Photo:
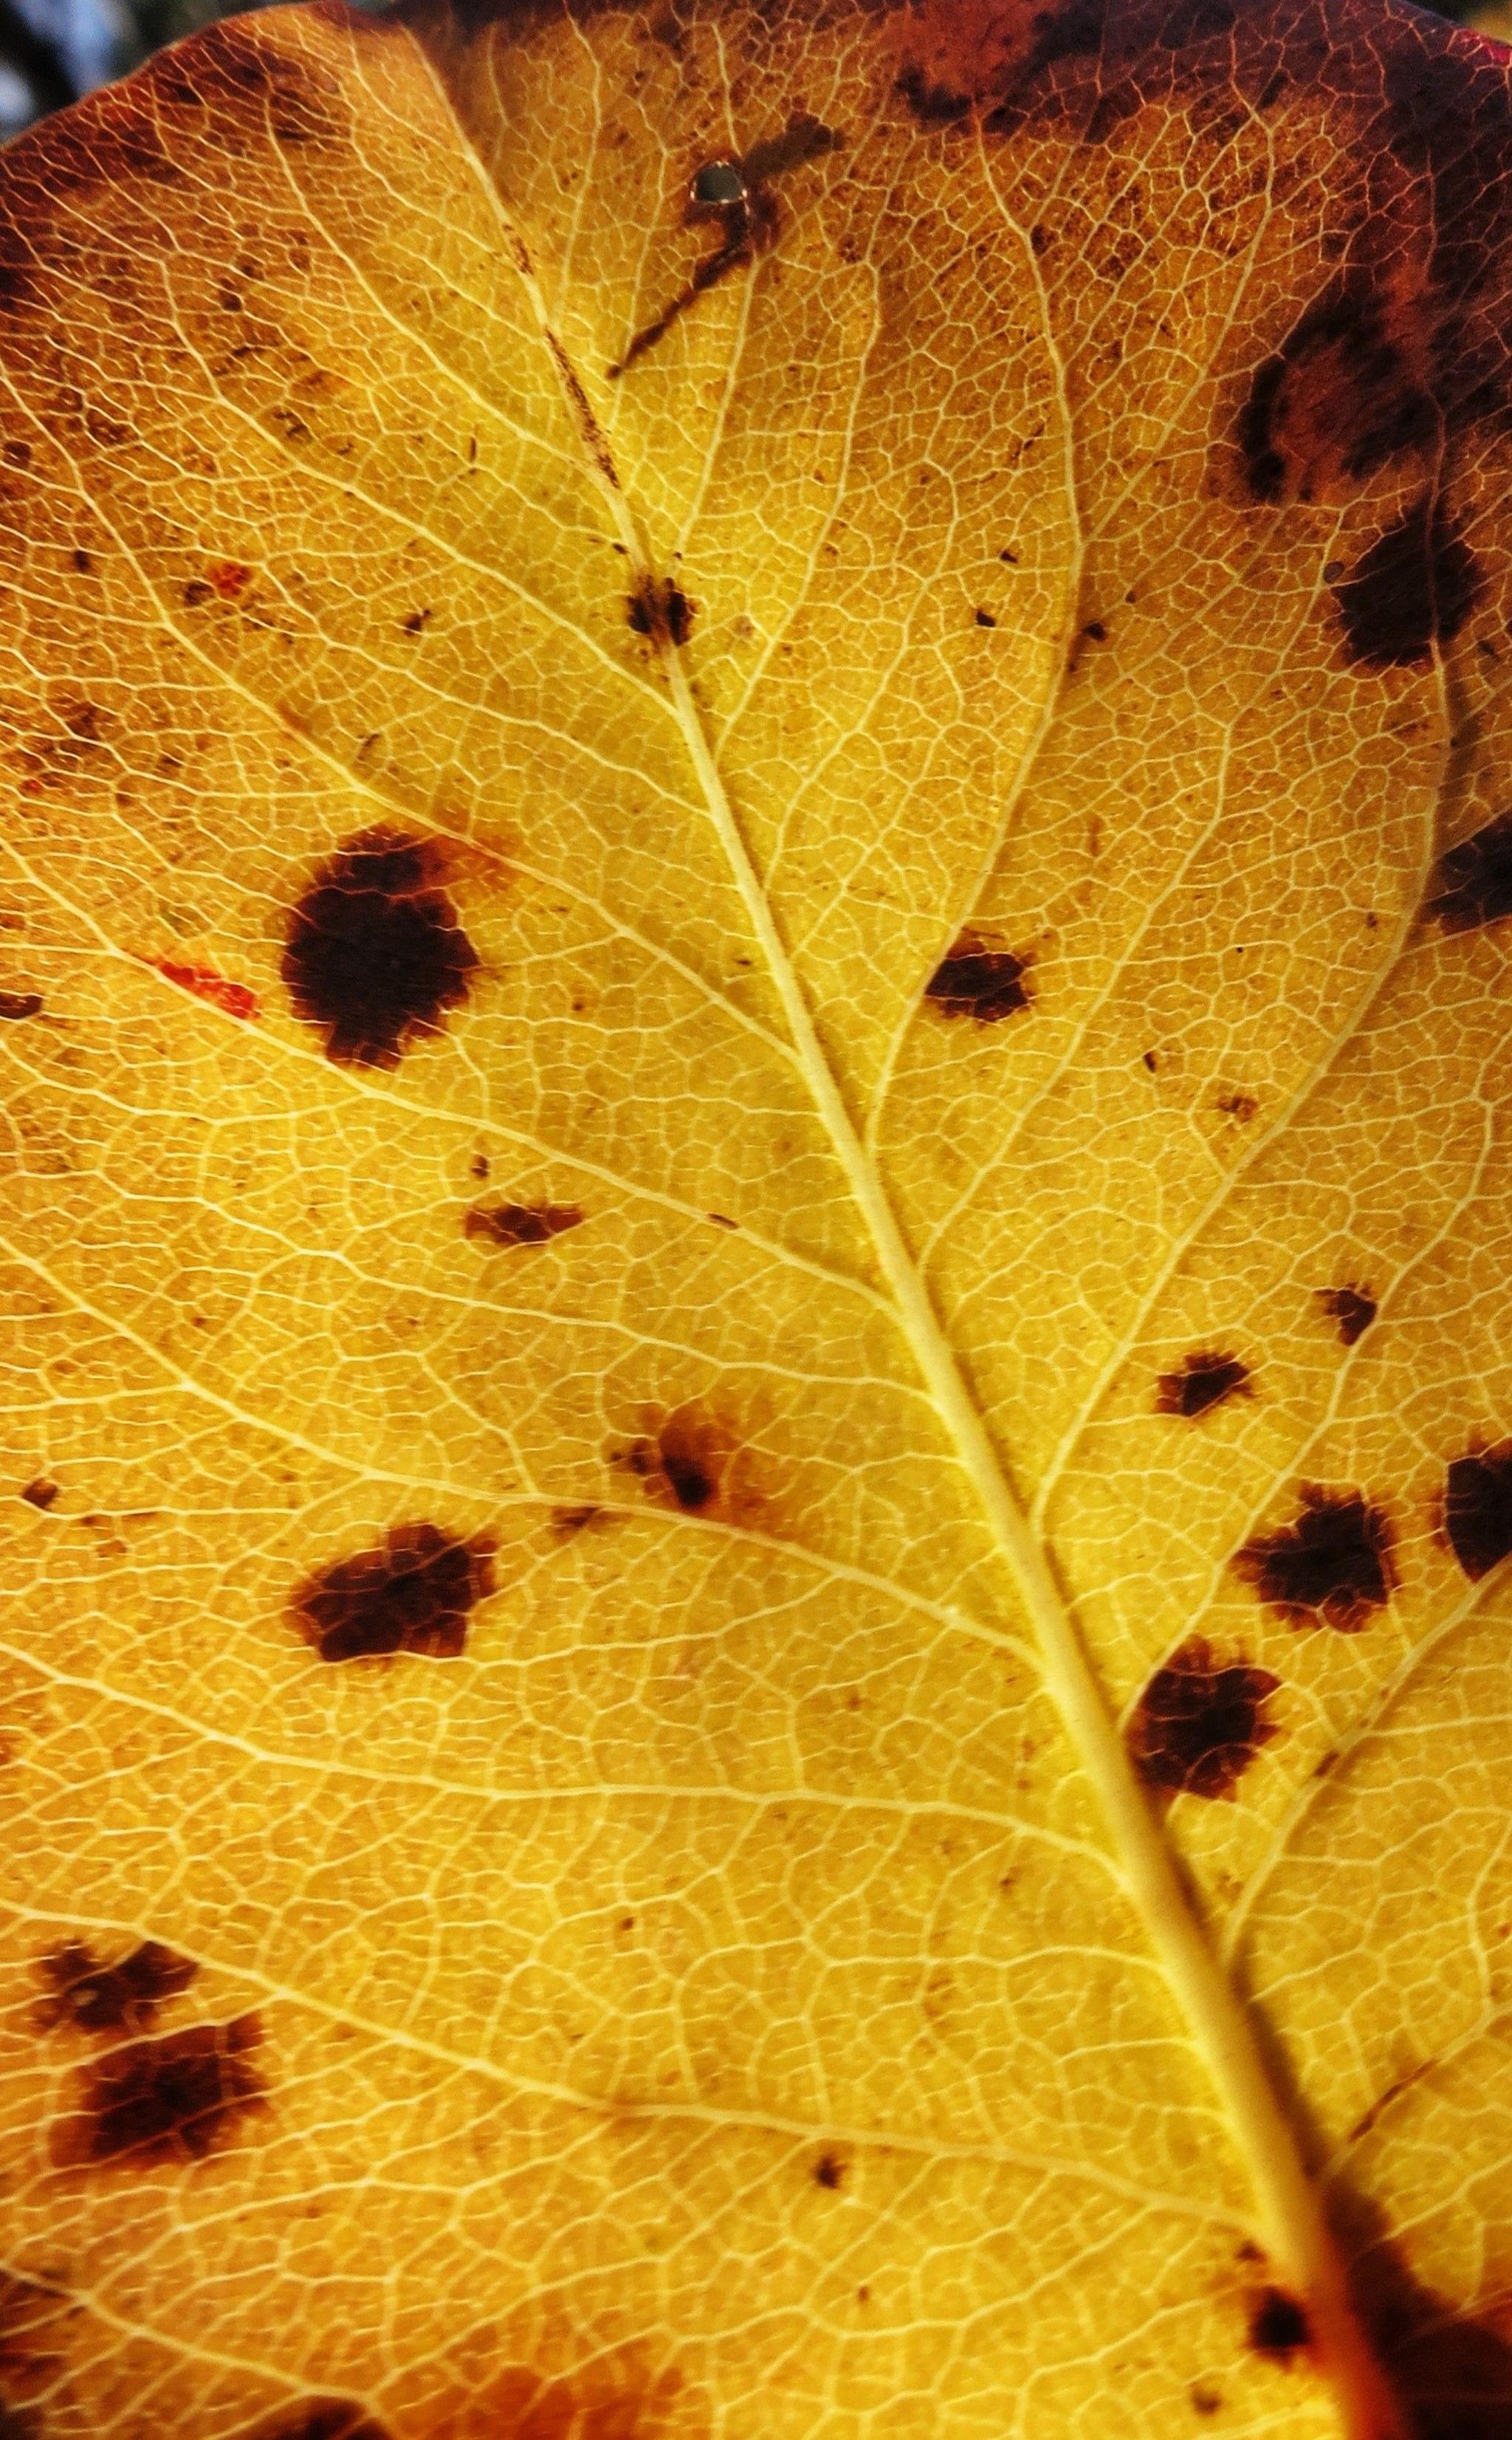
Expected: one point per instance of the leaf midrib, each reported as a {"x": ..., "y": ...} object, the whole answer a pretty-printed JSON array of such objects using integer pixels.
[{"x": 1290, "y": 2218}]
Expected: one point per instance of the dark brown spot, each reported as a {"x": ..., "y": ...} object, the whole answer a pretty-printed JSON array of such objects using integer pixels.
[
  {"x": 417, "y": 623},
  {"x": 1200, "y": 1722},
  {"x": 18, "y": 453},
  {"x": 1345, "y": 394},
  {"x": 1412, "y": 590},
  {"x": 321, "y": 2418},
  {"x": 177, "y": 2099},
  {"x": 1149, "y": 1059},
  {"x": 375, "y": 953},
  {"x": 1278, "y": 2326},
  {"x": 662, "y": 612},
  {"x": 1472, "y": 884},
  {"x": 1095, "y": 631},
  {"x": 1203, "y": 1379},
  {"x": 1237, "y": 1105},
  {"x": 687, "y": 1464},
  {"x": 480, "y": 1165},
  {"x": 985, "y": 618},
  {"x": 1478, "y": 1510},
  {"x": 978, "y": 980},
  {"x": 1205, "y": 2400},
  {"x": 1352, "y": 1309},
  {"x": 120, "y": 1999},
  {"x": 16, "y": 1005},
  {"x": 40, "y": 1492},
  {"x": 829, "y": 2171},
  {"x": 415, "y": 1593},
  {"x": 1331, "y": 1568},
  {"x": 197, "y": 591},
  {"x": 522, "y": 1224}
]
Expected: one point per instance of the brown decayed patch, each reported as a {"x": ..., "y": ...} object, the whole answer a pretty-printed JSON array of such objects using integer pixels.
[
  {"x": 1206, "y": 1378},
  {"x": 1410, "y": 592},
  {"x": 16, "y": 1006},
  {"x": 1451, "y": 2369},
  {"x": 1332, "y": 1566},
  {"x": 980, "y": 980},
  {"x": 1478, "y": 1509},
  {"x": 40, "y": 1492},
  {"x": 829, "y": 2171},
  {"x": 120, "y": 1998},
  {"x": 1200, "y": 1722},
  {"x": 521, "y": 1223},
  {"x": 321, "y": 2418},
  {"x": 1278, "y": 2326},
  {"x": 1352, "y": 1309},
  {"x": 1345, "y": 393},
  {"x": 173, "y": 2100},
  {"x": 661, "y": 611},
  {"x": 1471, "y": 883},
  {"x": 375, "y": 954},
  {"x": 415, "y": 1593}
]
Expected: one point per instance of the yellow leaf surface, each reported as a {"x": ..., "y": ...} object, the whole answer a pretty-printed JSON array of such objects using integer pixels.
[{"x": 754, "y": 996}]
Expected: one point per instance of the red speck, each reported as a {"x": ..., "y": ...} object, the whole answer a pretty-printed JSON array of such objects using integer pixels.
[
  {"x": 229, "y": 578},
  {"x": 234, "y": 999}
]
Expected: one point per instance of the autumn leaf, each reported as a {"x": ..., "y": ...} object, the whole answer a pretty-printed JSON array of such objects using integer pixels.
[{"x": 753, "y": 988}]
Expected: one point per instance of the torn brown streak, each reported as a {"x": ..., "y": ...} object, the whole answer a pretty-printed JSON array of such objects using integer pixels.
[
  {"x": 748, "y": 219},
  {"x": 587, "y": 423}
]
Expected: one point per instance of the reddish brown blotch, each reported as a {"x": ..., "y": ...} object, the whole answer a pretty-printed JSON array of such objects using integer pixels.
[
  {"x": 233, "y": 1000},
  {"x": 1206, "y": 1378},
  {"x": 1200, "y": 1722},
  {"x": 1331, "y": 1566},
  {"x": 414, "y": 1591},
  {"x": 375, "y": 952},
  {"x": 177, "y": 2099},
  {"x": 122, "y": 1998},
  {"x": 980, "y": 980}
]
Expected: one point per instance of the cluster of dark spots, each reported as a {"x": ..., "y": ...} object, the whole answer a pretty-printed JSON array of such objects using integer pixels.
[
  {"x": 1478, "y": 1509},
  {"x": 1278, "y": 2326},
  {"x": 321, "y": 2418},
  {"x": 661, "y": 611},
  {"x": 375, "y": 955},
  {"x": 733, "y": 194},
  {"x": 120, "y": 1999},
  {"x": 1411, "y": 591},
  {"x": 1352, "y": 1309},
  {"x": 1332, "y": 1566},
  {"x": 979, "y": 981},
  {"x": 177, "y": 2099},
  {"x": 40, "y": 1492},
  {"x": 829, "y": 2171},
  {"x": 17, "y": 1005},
  {"x": 414, "y": 1593},
  {"x": 1200, "y": 1722},
  {"x": 1471, "y": 883},
  {"x": 1344, "y": 395},
  {"x": 522, "y": 1224},
  {"x": 1203, "y": 1379},
  {"x": 1237, "y": 1105}
]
